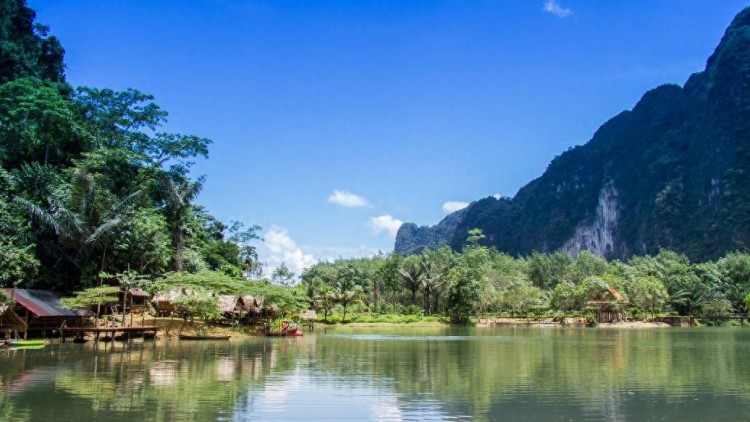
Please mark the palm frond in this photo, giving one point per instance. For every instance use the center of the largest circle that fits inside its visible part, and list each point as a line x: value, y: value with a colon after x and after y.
x: 40, y: 214
x: 103, y: 229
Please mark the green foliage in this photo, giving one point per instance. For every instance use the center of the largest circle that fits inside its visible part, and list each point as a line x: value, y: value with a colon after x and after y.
x: 25, y: 47
x: 199, y: 303
x: 6, y: 299
x: 286, y: 299
x: 90, y: 182
x: 93, y: 296
x: 648, y: 293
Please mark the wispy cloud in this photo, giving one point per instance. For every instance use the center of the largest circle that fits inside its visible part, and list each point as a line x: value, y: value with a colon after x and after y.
x: 347, y: 199
x: 284, y: 249
x: 553, y: 7
x: 453, y: 206
x: 385, y: 223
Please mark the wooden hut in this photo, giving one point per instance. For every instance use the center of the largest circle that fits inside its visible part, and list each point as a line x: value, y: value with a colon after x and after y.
x: 138, y: 297
x: 229, y: 305
x: 308, y: 315
x: 41, y: 310
x: 250, y: 306
x: 164, y: 301
x: 11, y: 325
x: 609, y: 305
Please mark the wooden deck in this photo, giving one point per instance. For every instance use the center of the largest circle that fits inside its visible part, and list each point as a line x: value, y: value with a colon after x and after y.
x: 128, y: 332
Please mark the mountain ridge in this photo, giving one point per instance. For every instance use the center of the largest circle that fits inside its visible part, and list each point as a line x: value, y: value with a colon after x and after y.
x: 674, y: 172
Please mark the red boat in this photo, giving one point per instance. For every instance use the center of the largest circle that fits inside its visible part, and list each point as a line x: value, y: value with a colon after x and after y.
x: 287, y: 329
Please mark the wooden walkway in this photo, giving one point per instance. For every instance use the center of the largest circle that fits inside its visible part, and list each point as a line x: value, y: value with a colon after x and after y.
x: 110, y: 331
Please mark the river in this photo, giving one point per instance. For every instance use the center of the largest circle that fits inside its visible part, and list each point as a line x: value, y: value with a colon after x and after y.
x: 403, y: 373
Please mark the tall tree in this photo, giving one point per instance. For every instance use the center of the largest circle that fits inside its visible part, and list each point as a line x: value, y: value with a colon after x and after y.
x: 180, y: 193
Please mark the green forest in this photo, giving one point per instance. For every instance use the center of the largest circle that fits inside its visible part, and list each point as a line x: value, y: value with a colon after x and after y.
x: 89, y: 182
x: 91, y: 189
x: 480, y: 281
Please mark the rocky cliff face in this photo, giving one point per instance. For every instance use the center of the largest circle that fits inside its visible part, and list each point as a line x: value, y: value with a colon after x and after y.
x: 412, y: 238
x: 672, y: 172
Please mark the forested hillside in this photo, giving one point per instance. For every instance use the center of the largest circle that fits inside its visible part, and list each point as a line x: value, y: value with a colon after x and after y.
x: 673, y: 172
x: 89, y: 182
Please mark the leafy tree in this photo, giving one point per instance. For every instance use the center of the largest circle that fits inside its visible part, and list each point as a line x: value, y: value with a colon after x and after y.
x: 37, y: 124
x: 734, y: 273
x: 26, y: 49
x: 198, y: 303
x: 467, y: 279
x: 564, y: 297
x: 648, y: 293
x: 282, y: 275
x: 85, y: 221
x: 93, y: 296
x: 547, y: 271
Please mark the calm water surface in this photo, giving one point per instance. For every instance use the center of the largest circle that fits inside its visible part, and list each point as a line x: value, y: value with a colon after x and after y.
x: 391, y: 374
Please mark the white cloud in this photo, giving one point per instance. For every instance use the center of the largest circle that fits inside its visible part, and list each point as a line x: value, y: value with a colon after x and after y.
x: 453, y: 206
x: 497, y: 196
x: 346, y: 199
x: 385, y: 223
x: 553, y: 7
x: 284, y: 249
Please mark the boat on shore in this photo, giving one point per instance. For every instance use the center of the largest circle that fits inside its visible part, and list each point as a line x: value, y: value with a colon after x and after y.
x: 196, y: 337
x: 25, y: 344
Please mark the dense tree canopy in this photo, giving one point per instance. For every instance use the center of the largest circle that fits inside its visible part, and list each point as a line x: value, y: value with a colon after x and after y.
x: 479, y: 280
x: 89, y: 181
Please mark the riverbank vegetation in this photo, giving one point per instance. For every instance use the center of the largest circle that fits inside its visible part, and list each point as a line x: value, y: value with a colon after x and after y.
x: 480, y: 281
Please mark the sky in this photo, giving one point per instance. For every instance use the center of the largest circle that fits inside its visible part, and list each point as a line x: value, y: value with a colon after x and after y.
x: 335, y: 121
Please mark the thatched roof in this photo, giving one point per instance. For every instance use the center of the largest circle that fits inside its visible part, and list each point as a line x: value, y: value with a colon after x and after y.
x: 227, y: 303
x: 9, y: 320
x: 308, y: 315
x: 251, y: 304
x: 138, y: 292
x: 168, y: 296
x: 615, y: 293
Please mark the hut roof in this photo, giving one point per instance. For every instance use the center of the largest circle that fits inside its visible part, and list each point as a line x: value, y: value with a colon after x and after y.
x: 137, y: 291
x: 168, y: 295
x: 227, y: 303
x: 10, y: 320
x: 42, y: 303
x: 615, y: 293
x: 250, y: 304
x: 308, y: 315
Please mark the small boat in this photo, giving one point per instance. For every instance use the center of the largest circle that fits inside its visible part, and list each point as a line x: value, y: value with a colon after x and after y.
x: 287, y: 329
x: 26, y: 344
x: 189, y: 337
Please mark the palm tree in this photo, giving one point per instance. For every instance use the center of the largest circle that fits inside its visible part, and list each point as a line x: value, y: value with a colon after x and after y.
x: 87, y: 220
x: 431, y: 281
x: 180, y: 193
x: 412, y: 276
x: 347, y: 295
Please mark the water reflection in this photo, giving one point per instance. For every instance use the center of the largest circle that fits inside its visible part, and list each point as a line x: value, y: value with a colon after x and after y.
x: 391, y: 374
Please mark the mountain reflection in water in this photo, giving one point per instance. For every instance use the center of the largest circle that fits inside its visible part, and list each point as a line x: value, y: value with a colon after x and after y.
x: 435, y: 373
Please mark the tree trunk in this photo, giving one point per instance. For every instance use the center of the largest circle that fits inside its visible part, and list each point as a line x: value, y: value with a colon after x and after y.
x: 427, y: 294
x: 177, y: 242
x: 124, y: 302
x: 343, y: 319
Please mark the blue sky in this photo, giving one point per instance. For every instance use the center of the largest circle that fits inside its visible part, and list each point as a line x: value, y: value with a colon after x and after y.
x: 400, y: 106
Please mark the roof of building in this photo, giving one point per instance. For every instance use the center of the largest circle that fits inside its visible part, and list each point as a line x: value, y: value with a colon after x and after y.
x: 42, y: 303
x: 137, y: 291
x: 615, y: 293
x: 227, y: 303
